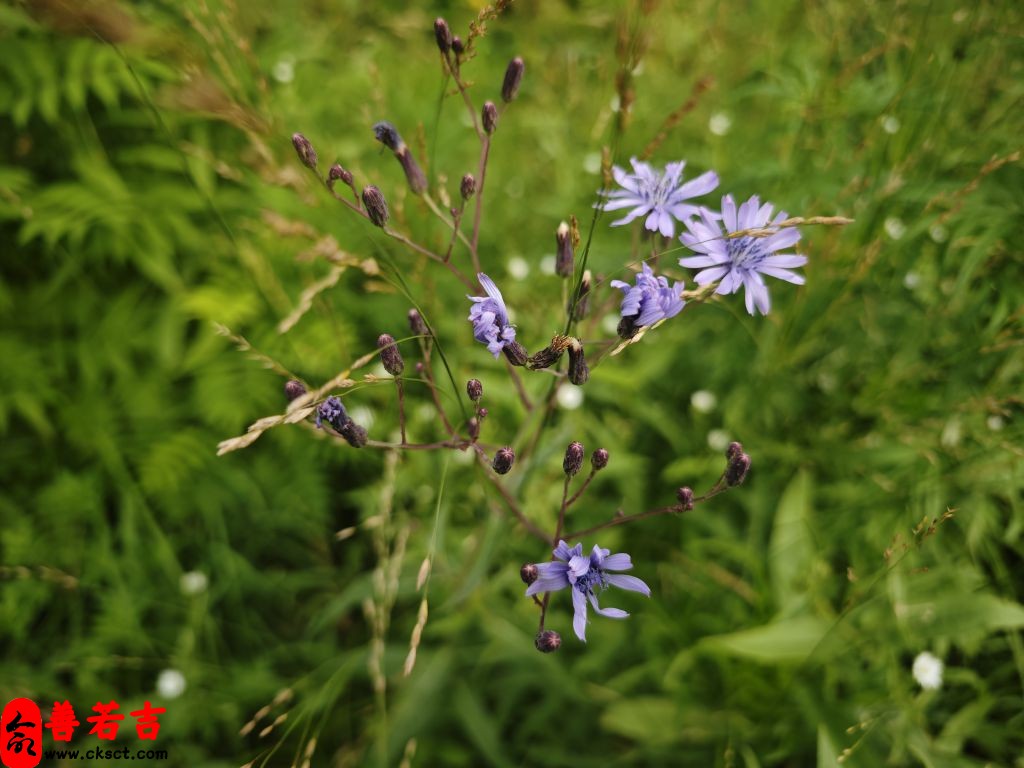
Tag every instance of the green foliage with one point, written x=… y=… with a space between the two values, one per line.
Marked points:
x=148 y=192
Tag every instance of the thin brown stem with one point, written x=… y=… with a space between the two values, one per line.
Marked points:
x=453 y=70
x=416 y=446
x=510 y=501
x=429 y=374
x=561 y=511
x=452 y=224
x=401 y=407
x=520 y=389
x=485 y=149
x=582 y=488
x=622 y=520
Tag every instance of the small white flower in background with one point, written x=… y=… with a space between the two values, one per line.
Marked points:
x=284 y=70
x=193 y=583
x=890 y=124
x=170 y=684
x=995 y=422
x=719 y=124
x=570 y=398
x=703 y=401
x=592 y=163
x=547 y=265
x=719 y=439
x=927 y=670
x=911 y=280
x=938 y=233
x=519 y=268
x=895 y=228
x=362 y=415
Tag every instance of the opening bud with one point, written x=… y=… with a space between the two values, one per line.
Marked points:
x=388 y=135
x=489 y=117
x=685 y=497
x=733 y=451
x=573 y=460
x=304 y=150
x=599 y=459
x=443 y=35
x=474 y=389
x=457 y=45
x=416 y=323
x=294 y=389
x=390 y=357
x=564 y=254
x=583 y=300
x=376 y=206
x=548 y=641
x=529 y=573
x=503 y=460
x=468 y=186
x=579 y=371
x=516 y=353
x=513 y=79
x=737 y=470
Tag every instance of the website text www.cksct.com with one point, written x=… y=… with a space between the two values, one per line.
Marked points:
x=100 y=753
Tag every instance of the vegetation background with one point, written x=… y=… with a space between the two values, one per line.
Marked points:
x=148 y=191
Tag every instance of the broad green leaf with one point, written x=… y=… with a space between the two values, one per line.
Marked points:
x=790 y=549
x=785 y=641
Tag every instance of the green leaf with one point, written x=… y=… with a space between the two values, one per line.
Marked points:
x=790 y=549
x=786 y=641
x=652 y=719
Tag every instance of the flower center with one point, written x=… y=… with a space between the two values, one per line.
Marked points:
x=592 y=579
x=746 y=252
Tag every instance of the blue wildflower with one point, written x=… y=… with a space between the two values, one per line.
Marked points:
x=586 y=576
x=742 y=261
x=659 y=196
x=490 y=318
x=332 y=411
x=650 y=300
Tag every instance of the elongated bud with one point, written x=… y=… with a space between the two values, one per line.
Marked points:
x=737 y=470
x=515 y=353
x=468 y=186
x=443 y=35
x=490 y=116
x=583 y=300
x=413 y=173
x=564 y=254
x=733 y=451
x=685 y=496
x=473 y=426
x=474 y=389
x=579 y=371
x=513 y=78
x=388 y=135
x=336 y=174
x=503 y=460
x=416 y=323
x=294 y=389
x=390 y=357
x=573 y=458
x=529 y=573
x=376 y=206
x=457 y=45
x=550 y=355
x=548 y=641
x=354 y=434
x=304 y=150
x=599 y=459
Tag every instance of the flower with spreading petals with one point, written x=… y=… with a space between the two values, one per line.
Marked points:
x=742 y=262
x=490 y=317
x=658 y=196
x=586 y=576
x=650 y=300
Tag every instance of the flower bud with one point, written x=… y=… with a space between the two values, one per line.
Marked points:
x=583 y=299
x=332 y=411
x=474 y=428
x=337 y=173
x=513 y=78
x=457 y=45
x=599 y=459
x=573 y=460
x=515 y=353
x=390 y=357
x=468 y=186
x=388 y=135
x=376 y=206
x=685 y=497
x=304 y=150
x=443 y=35
x=503 y=460
x=482 y=413
x=737 y=470
x=354 y=434
x=413 y=173
x=579 y=371
x=548 y=641
x=544 y=359
x=490 y=116
x=294 y=389
x=529 y=573
x=416 y=323
x=627 y=327
x=474 y=389
x=564 y=257
x=733 y=451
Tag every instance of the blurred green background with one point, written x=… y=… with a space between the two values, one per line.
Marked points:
x=148 y=191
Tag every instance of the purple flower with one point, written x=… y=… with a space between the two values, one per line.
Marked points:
x=651 y=299
x=659 y=196
x=490 y=317
x=586 y=576
x=742 y=261
x=332 y=411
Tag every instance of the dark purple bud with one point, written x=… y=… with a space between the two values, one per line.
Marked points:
x=376 y=206
x=515 y=353
x=737 y=470
x=420 y=367
x=390 y=357
x=599 y=459
x=734 y=450
x=354 y=434
x=503 y=460
x=413 y=173
x=388 y=135
x=443 y=35
x=490 y=116
x=294 y=389
x=513 y=78
x=482 y=413
x=573 y=458
x=468 y=186
x=457 y=45
x=416 y=323
x=579 y=371
x=685 y=496
x=548 y=641
x=544 y=359
x=627 y=327
x=304 y=150
x=564 y=258
x=336 y=174
x=474 y=389
x=529 y=573
x=583 y=300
